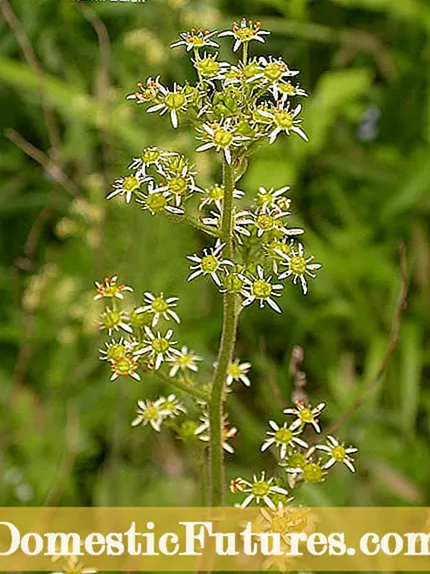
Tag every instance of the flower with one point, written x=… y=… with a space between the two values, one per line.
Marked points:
x=286 y=90
x=160 y=307
x=195 y=39
x=114 y=350
x=269 y=219
x=180 y=186
x=237 y=372
x=215 y=194
x=156 y=200
x=171 y=406
x=150 y=156
x=298 y=266
x=244 y=33
x=158 y=347
x=282 y=437
x=209 y=68
x=305 y=415
x=209 y=264
x=260 y=489
x=260 y=288
x=172 y=101
x=272 y=70
x=147 y=92
x=184 y=360
x=202 y=432
x=240 y=220
x=72 y=565
x=124 y=366
x=127 y=186
x=285 y=120
x=149 y=412
x=338 y=453
x=110 y=288
x=113 y=320
x=222 y=137
x=269 y=197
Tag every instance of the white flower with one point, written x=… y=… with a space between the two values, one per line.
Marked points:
x=156 y=200
x=260 y=288
x=244 y=33
x=269 y=219
x=124 y=366
x=305 y=415
x=338 y=453
x=215 y=194
x=260 y=489
x=282 y=437
x=298 y=266
x=158 y=347
x=160 y=307
x=149 y=412
x=173 y=102
x=240 y=220
x=147 y=91
x=203 y=433
x=110 y=288
x=180 y=186
x=269 y=197
x=209 y=68
x=196 y=39
x=237 y=371
x=113 y=320
x=184 y=360
x=150 y=156
x=171 y=407
x=210 y=264
x=127 y=186
x=221 y=137
x=273 y=70
x=286 y=120
x=286 y=90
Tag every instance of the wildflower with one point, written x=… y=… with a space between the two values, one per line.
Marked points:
x=298 y=266
x=195 y=39
x=113 y=320
x=156 y=200
x=268 y=219
x=159 y=307
x=147 y=92
x=231 y=283
x=286 y=120
x=260 y=288
x=209 y=68
x=184 y=360
x=240 y=220
x=72 y=565
x=110 y=288
x=282 y=437
x=127 y=186
x=221 y=137
x=237 y=485
x=149 y=412
x=202 y=432
x=273 y=70
x=286 y=90
x=273 y=247
x=150 y=156
x=238 y=372
x=171 y=406
x=210 y=264
x=338 y=453
x=114 y=350
x=244 y=33
x=158 y=347
x=174 y=101
x=260 y=489
x=124 y=366
x=269 y=197
x=180 y=186
x=305 y=415
x=215 y=194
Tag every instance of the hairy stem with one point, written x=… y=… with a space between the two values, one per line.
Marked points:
x=190 y=220
x=225 y=353
x=182 y=386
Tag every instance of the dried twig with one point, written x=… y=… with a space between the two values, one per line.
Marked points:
x=392 y=343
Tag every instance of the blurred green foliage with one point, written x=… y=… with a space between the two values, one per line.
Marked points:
x=361 y=186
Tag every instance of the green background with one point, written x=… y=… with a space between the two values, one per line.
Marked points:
x=360 y=187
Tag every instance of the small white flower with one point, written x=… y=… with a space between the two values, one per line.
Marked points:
x=184 y=360
x=282 y=437
x=171 y=407
x=127 y=186
x=210 y=264
x=260 y=489
x=156 y=200
x=261 y=288
x=245 y=32
x=160 y=307
x=221 y=137
x=269 y=219
x=269 y=197
x=158 y=347
x=298 y=266
x=114 y=320
x=149 y=412
x=124 y=366
x=237 y=371
x=150 y=156
x=203 y=433
x=305 y=415
x=181 y=186
x=147 y=92
x=209 y=68
x=273 y=70
x=338 y=453
x=240 y=220
x=110 y=288
x=195 y=39
x=286 y=90
x=173 y=101
x=215 y=194
x=286 y=121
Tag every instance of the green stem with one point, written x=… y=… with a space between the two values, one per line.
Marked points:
x=189 y=220
x=196 y=393
x=225 y=353
x=245 y=53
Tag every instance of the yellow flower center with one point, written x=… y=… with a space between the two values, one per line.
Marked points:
x=111 y=319
x=283 y=436
x=216 y=192
x=234 y=370
x=208 y=67
x=156 y=201
x=284 y=120
x=178 y=185
x=175 y=101
x=306 y=415
x=115 y=351
x=124 y=365
x=233 y=283
x=151 y=413
x=222 y=138
x=209 y=263
x=260 y=488
x=297 y=460
x=298 y=265
x=265 y=222
x=312 y=472
x=160 y=345
x=261 y=289
x=131 y=183
x=159 y=305
x=279 y=524
x=150 y=155
x=245 y=34
x=338 y=453
x=273 y=71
